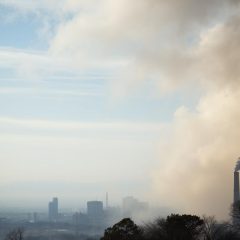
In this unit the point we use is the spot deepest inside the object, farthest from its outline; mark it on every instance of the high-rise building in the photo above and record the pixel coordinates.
(95, 212)
(236, 195)
(53, 209)
(94, 208)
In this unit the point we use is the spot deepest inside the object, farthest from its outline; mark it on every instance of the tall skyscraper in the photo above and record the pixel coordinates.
(53, 209)
(236, 195)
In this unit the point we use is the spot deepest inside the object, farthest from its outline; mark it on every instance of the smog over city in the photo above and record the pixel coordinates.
(119, 114)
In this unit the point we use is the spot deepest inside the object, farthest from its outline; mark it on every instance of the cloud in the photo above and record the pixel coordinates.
(39, 124)
(137, 40)
(218, 53)
(56, 8)
(29, 64)
(146, 39)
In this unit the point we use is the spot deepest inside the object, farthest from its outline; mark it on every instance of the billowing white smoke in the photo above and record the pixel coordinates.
(205, 143)
(175, 42)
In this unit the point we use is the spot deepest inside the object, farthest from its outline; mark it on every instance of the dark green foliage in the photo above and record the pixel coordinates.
(155, 230)
(185, 227)
(126, 229)
(175, 227)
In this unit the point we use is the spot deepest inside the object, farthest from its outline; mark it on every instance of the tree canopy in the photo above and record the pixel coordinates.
(126, 229)
(175, 227)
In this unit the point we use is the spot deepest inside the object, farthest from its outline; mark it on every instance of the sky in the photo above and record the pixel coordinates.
(133, 97)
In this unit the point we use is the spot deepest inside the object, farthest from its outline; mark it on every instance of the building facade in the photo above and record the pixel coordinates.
(53, 209)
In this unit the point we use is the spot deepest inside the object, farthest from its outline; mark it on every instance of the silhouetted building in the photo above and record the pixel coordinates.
(94, 208)
(53, 209)
(236, 195)
(95, 212)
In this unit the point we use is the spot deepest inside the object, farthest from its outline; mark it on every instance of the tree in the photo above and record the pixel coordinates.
(185, 227)
(213, 230)
(16, 234)
(155, 230)
(235, 214)
(175, 227)
(126, 229)
(210, 229)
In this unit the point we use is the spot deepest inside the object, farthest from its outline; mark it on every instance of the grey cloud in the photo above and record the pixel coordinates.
(219, 53)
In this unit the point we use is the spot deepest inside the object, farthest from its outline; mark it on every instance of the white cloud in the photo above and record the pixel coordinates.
(71, 125)
(28, 64)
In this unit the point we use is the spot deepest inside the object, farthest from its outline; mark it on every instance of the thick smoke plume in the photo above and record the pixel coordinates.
(177, 43)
